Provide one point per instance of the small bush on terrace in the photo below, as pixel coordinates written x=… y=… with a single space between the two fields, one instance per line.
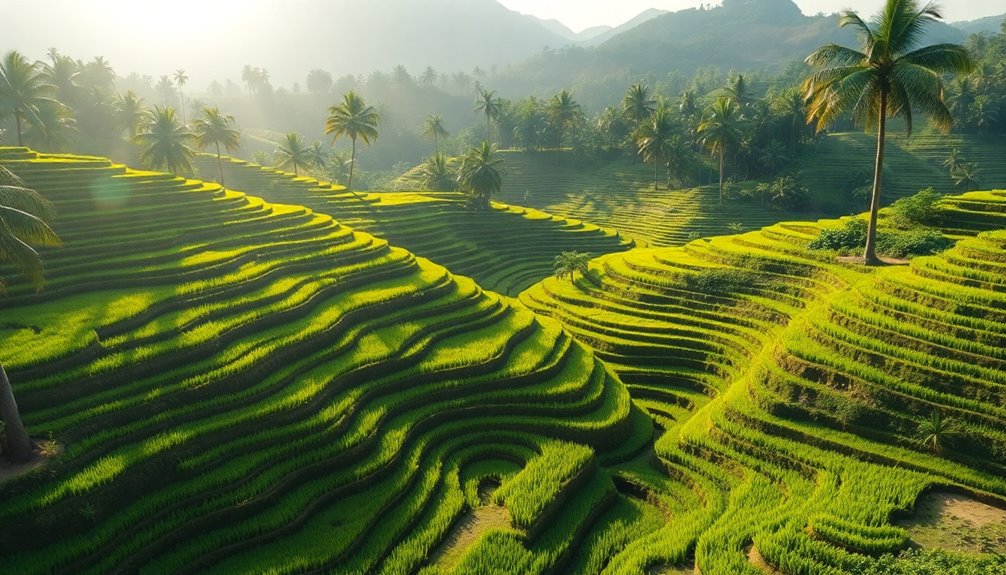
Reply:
x=851 y=236
x=721 y=281
x=920 y=209
x=900 y=244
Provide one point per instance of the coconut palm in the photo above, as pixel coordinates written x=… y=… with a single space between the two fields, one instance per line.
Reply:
x=720 y=130
x=214 y=128
x=166 y=88
x=936 y=432
x=488 y=104
x=24 y=217
x=436 y=174
x=563 y=111
x=890 y=76
x=62 y=73
x=53 y=127
x=637 y=105
x=434 y=128
x=129 y=112
x=480 y=176
x=654 y=139
x=319 y=155
x=966 y=175
x=568 y=263
x=293 y=153
x=353 y=118
x=165 y=142
x=181 y=78
x=23 y=88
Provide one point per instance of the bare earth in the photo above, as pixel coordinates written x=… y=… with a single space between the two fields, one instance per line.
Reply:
x=957 y=523
x=471 y=525
x=756 y=559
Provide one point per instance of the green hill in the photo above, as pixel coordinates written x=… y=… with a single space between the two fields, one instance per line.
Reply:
x=791 y=389
x=229 y=385
x=505 y=249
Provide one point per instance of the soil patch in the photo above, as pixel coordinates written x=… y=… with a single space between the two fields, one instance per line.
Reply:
x=755 y=558
x=671 y=570
x=44 y=452
x=885 y=261
x=957 y=523
x=467 y=529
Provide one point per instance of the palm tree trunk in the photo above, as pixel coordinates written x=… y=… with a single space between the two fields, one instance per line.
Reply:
x=436 y=145
x=182 y=95
x=352 y=165
x=17 y=119
x=489 y=134
x=654 y=175
x=870 y=254
x=17 y=438
x=722 y=155
x=220 y=165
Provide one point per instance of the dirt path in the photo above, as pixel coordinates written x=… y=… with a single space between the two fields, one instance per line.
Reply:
x=957 y=523
x=469 y=528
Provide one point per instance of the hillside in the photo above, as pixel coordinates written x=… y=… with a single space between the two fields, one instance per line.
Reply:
x=791 y=390
x=229 y=385
x=505 y=249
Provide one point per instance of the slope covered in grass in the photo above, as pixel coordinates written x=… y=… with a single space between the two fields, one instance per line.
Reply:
x=619 y=194
x=505 y=249
x=239 y=386
x=792 y=390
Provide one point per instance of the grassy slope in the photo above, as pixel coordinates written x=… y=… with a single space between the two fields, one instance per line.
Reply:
x=242 y=386
x=789 y=402
x=505 y=249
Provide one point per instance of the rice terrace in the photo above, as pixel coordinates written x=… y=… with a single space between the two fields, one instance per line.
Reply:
x=503 y=287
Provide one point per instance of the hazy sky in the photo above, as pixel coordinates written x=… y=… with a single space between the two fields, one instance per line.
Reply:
x=580 y=14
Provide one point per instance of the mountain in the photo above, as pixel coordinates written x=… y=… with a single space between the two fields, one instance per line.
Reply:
x=989 y=24
x=286 y=38
x=604 y=36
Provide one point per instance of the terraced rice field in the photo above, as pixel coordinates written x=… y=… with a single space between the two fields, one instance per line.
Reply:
x=620 y=195
x=789 y=396
x=241 y=386
x=505 y=249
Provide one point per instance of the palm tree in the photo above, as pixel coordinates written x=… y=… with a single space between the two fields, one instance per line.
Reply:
x=434 y=128
x=721 y=130
x=319 y=155
x=129 y=112
x=292 y=153
x=181 y=78
x=435 y=174
x=24 y=217
x=23 y=88
x=166 y=142
x=563 y=111
x=967 y=176
x=637 y=105
x=888 y=77
x=62 y=73
x=215 y=128
x=953 y=161
x=488 y=104
x=936 y=432
x=52 y=128
x=654 y=139
x=480 y=175
x=568 y=263
x=353 y=118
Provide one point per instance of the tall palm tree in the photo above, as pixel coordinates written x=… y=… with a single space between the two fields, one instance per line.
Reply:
x=638 y=105
x=353 y=118
x=888 y=77
x=181 y=78
x=654 y=139
x=216 y=129
x=166 y=88
x=436 y=174
x=293 y=153
x=63 y=73
x=52 y=128
x=434 y=128
x=319 y=155
x=24 y=217
x=563 y=111
x=23 y=88
x=480 y=176
x=165 y=142
x=129 y=112
x=720 y=130
x=488 y=104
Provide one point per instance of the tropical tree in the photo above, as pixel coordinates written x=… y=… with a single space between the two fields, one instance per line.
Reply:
x=53 y=127
x=23 y=88
x=488 y=104
x=319 y=155
x=436 y=174
x=889 y=76
x=355 y=119
x=214 y=128
x=654 y=139
x=434 y=129
x=720 y=130
x=967 y=175
x=166 y=89
x=562 y=111
x=953 y=161
x=24 y=217
x=293 y=153
x=319 y=81
x=638 y=105
x=165 y=142
x=480 y=176
x=936 y=432
x=568 y=263
x=62 y=73
x=181 y=78
x=129 y=112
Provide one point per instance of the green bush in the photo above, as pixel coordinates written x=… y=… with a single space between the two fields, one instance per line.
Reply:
x=936 y=562
x=920 y=209
x=912 y=243
x=848 y=237
x=721 y=281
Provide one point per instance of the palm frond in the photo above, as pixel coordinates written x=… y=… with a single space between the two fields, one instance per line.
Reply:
x=28 y=228
x=833 y=54
x=942 y=59
x=27 y=200
x=19 y=253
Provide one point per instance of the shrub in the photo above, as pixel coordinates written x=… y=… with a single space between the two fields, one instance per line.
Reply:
x=920 y=209
x=721 y=281
x=912 y=243
x=851 y=236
